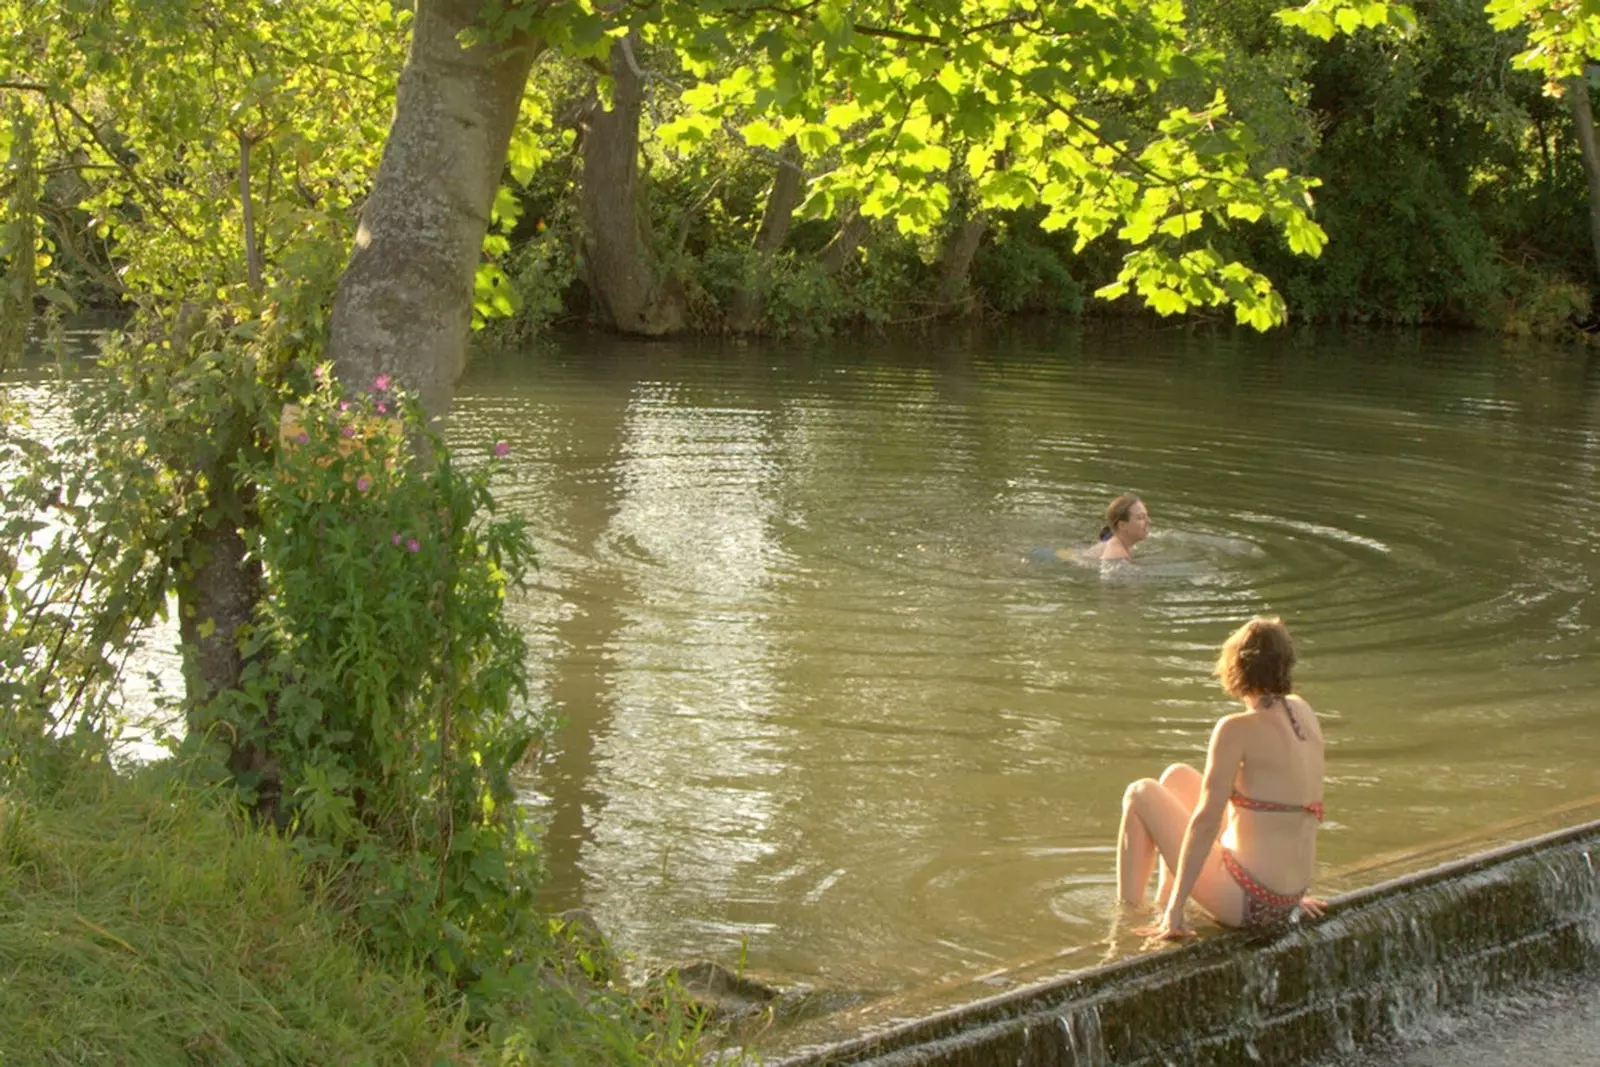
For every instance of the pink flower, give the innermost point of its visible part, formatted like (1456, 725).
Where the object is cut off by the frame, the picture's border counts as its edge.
(383, 409)
(413, 545)
(501, 449)
(348, 431)
(363, 483)
(344, 405)
(302, 438)
(380, 383)
(395, 540)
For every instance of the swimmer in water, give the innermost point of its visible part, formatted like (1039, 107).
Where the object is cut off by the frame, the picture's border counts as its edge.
(1127, 523)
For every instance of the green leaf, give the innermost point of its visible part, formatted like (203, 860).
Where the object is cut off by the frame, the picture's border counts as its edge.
(1314, 23)
(1166, 302)
(816, 139)
(59, 297)
(688, 131)
(1007, 190)
(1305, 237)
(763, 134)
(845, 115)
(1181, 225)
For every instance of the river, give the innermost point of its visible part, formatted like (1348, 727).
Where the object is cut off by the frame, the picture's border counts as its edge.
(830, 710)
(833, 710)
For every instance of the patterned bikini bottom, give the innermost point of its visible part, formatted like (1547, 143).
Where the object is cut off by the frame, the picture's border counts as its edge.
(1262, 906)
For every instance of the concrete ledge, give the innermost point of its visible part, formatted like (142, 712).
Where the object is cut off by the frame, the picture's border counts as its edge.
(1386, 955)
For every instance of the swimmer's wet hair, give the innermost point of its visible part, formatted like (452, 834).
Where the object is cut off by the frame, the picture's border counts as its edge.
(1257, 659)
(1120, 510)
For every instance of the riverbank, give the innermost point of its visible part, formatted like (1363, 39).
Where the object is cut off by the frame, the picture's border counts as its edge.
(146, 922)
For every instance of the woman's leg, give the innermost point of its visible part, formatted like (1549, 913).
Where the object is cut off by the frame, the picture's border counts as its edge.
(1154, 821)
(1152, 818)
(1183, 781)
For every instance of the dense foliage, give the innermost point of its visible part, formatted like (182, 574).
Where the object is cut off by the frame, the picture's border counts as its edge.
(203, 170)
(1450, 183)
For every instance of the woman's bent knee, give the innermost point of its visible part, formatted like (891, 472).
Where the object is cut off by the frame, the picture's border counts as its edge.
(1135, 790)
(1178, 770)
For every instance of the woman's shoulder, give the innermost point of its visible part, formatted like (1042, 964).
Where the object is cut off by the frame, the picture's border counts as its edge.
(1238, 724)
(1299, 704)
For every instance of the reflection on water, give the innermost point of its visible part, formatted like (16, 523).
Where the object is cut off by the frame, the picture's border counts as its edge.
(828, 704)
(140, 709)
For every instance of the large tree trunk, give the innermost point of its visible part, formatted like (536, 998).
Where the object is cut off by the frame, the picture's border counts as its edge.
(618, 263)
(957, 263)
(404, 304)
(788, 185)
(1583, 121)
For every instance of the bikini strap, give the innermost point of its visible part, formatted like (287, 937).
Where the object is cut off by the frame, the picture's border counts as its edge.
(1294, 723)
(1239, 800)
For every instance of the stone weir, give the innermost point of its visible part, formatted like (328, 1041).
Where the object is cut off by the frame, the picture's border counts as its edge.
(1387, 957)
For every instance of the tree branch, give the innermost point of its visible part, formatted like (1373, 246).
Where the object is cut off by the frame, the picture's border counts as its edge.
(252, 254)
(150, 193)
(94, 135)
(63, 227)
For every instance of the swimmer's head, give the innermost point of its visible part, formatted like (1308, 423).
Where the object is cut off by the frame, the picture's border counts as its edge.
(1128, 519)
(1257, 659)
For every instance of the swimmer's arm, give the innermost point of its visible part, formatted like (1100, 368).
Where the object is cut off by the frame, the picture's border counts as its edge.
(1222, 767)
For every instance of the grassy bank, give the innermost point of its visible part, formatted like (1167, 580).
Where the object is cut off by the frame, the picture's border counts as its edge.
(144, 922)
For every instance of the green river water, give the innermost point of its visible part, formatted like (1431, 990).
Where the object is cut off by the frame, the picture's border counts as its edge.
(832, 708)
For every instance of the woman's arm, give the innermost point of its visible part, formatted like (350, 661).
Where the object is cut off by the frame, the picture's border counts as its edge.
(1222, 767)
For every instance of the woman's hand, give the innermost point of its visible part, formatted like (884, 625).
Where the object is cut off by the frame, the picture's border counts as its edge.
(1313, 907)
(1174, 926)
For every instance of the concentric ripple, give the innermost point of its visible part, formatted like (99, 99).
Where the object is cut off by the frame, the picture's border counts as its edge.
(837, 705)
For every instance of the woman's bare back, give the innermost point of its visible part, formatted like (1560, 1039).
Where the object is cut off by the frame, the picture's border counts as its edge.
(1278, 794)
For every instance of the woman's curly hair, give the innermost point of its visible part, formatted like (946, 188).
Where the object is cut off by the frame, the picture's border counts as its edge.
(1257, 659)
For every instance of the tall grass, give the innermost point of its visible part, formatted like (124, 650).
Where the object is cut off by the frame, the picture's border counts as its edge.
(141, 922)
(145, 922)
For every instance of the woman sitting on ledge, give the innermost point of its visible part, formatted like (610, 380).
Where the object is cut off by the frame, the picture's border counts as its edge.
(1261, 792)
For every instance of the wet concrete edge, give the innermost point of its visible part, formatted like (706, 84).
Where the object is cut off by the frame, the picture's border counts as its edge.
(1007, 1018)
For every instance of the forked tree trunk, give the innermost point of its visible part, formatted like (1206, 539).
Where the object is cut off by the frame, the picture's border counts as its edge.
(840, 252)
(1583, 122)
(404, 304)
(788, 185)
(619, 264)
(956, 267)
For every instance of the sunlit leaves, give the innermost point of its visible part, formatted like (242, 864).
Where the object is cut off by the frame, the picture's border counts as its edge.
(1325, 18)
(688, 132)
(1563, 36)
(493, 296)
(892, 106)
(763, 134)
(157, 99)
(1172, 282)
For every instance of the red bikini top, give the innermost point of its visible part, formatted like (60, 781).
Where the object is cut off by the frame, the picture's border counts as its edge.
(1251, 804)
